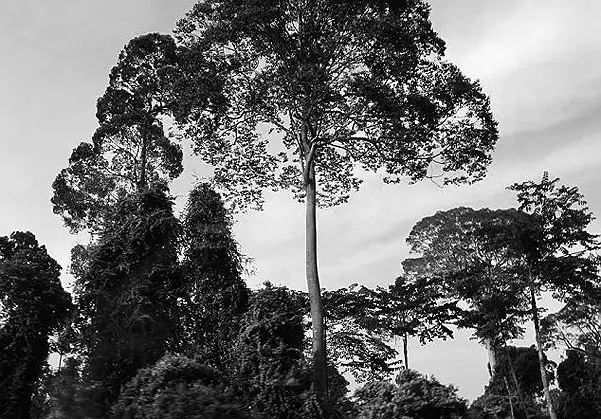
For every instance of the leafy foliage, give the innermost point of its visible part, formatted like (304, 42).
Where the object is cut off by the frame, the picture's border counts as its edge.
(33, 305)
(577, 326)
(515, 387)
(357, 340)
(361, 82)
(469, 255)
(414, 396)
(557, 249)
(579, 378)
(176, 387)
(556, 242)
(214, 294)
(269, 369)
(415, 308)
(126, 295)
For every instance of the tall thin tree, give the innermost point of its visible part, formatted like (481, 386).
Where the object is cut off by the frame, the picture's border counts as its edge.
(557, 250)
(343, 85)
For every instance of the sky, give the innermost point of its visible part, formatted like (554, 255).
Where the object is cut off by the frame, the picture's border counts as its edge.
(539, 60)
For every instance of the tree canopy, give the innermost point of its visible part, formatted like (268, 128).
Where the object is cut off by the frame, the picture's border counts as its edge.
(469, 255)
(364, 82)
(153, 83)
(33, 305)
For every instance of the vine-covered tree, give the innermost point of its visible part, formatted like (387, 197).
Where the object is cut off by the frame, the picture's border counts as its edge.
(268, 367)
(214, 293)
(556, 248)
(32, 306)
(342, 85)
(468, 255)
(127, 297)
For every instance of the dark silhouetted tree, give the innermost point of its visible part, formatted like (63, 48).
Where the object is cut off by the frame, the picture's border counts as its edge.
(412, 307)
(358, 343)
(269, 370)
(130, 150)
(214, 295)
(33, 305)
(127, 297)
(579, 378)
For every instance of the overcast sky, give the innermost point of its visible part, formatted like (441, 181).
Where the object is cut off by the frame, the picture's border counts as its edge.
(539, 60)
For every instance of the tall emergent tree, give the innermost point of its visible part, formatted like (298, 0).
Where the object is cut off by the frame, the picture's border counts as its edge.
(557, 250)
(32, 306)
(343, 85)
(130, 150)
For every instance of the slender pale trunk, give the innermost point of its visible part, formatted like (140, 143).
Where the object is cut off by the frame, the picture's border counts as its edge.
(405, 350)
(492, 355)
(516, 383)
(541, 355)
(510, 398)
(143, 161)
(320, 378)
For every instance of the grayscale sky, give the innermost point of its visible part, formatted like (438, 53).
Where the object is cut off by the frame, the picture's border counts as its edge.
(539, 60)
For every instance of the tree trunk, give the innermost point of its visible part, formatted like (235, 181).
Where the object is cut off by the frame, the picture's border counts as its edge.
(143, 162)
(405, 350)
(492, 356)
(541, 355)
(517, 384)
(509, 397)
(320, 378)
